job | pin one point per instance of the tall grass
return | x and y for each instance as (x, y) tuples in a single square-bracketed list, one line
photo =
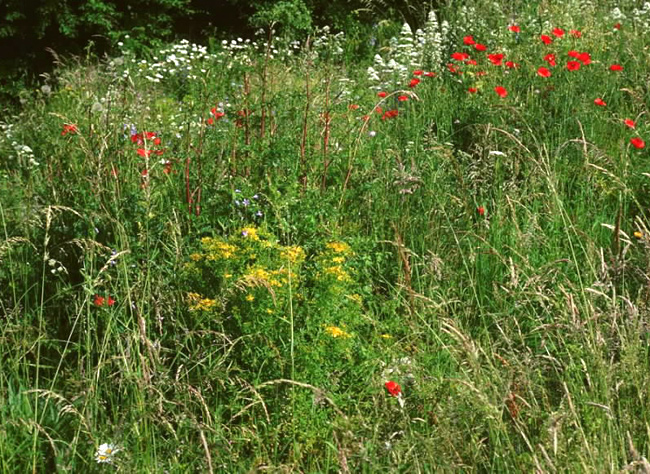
[(219, 269)]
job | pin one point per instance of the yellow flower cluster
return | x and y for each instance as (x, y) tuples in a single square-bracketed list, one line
[(339, 247), (198, 303), (338, 272), (334, 258), (217, 249), (250, 233), (356, 298), (294, 254), (258, 274), (336, 331)]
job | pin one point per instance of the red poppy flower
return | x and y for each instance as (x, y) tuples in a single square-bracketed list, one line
[(546, 39), (393, 388), (468, 40), (573, 53), (501, 91), (575, 33), (69, 128), (615, 67), (600, 102), (471, 62), (542, 71), (353, 106), (149, 135), (550, 59), (430, 74), (418, 72), (559, 32), (480, 47), (210, 121), (143, 153), (637, 143), (99, 300), (480, 73), (617, 26), (511, 65), (382, 94), (157, 141), (145, 173), (217, 114), (573, 65), (390, 114), (414, 82), (402, 98), (460, 56), (472, 90), (378, 110), (584, 58), (495, 59), (514, 28), (630, 123), (453, 69), (110, 301), (481, 211)]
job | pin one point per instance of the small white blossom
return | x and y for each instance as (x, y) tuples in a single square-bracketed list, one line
[(105, 453)]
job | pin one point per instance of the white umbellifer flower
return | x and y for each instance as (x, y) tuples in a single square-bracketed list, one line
[(105, 453)]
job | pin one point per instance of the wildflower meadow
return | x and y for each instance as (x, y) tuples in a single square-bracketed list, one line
[(426, 250)]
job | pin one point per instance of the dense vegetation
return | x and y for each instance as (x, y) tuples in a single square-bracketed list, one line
[(272, 254), (33, 35)]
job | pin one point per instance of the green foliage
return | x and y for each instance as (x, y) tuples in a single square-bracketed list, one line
[(271, 257), (292, 16)]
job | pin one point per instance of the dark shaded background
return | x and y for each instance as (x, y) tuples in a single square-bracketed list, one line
[(29, 29)]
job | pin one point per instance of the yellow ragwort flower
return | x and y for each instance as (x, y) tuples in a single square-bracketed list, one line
[(336, 331), (250, 233), (217, 249), (198, 303), (295, 254), (339, 247), (338, 272)]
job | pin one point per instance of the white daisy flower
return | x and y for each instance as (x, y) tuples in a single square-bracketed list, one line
[(105, 453)]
